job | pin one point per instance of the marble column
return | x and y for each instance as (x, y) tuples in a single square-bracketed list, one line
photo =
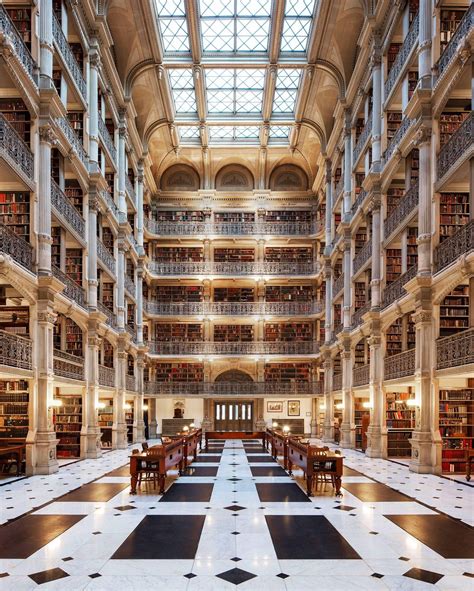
[(46, 44), (140, 178), (122, 165), (92, 248), (139, 299), (46, 139), (328, 434), (376, 106), (90, 432), (376, 432), (152, 418), (139, 423), (348, 423), (119, 428), (93, 112)]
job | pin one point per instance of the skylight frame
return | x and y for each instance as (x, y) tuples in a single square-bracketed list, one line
[(171, 21), (286, 91), (297, 27), (235, 134), (234, 89)]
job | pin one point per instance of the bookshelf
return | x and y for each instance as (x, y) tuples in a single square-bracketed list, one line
[(361, 354), (337, 315), (76, 119), (234, 294), (400, 420), (393, 264), (15, 212), (454, 311), (74, 264), (232, 217), (73, 191), (110, 179), (129, 418), (179, 372), (56, 246), (108, 239), (414, 166), (108, 295), (57, 334), (68, 424), (394, 194), (105, 422), (288, 216), (360, 239), (412, 83), (21, 17), (56, 164), (74, 345), (78, 53), (179, 216), (15, 319), (131, 315), (393, 338), (392, 53), (286, 332), (288, 293), (449, 123), (57, 79), (360, 295), (179, 254), (287, 372), (108, 353), (14, 419), (361, 420), (410, 332), (234, 255), (456, 426), (412, 247), (394, 119), (178, 332), (453, 213), (177, 293), (289, 255), (57, 8), (449, 22), (233, 333), (337, 420), (359, 128), (15, 112)]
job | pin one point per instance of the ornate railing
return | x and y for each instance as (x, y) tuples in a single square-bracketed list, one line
[(15, 351), (233, 348), (358, 202), (394, 291), (457, 146), (361, 375), (15, 150), (106, 376), (234, 388), (111, 317), (105, 256), (455, 350), (397, 138), (451, 49), (132, 331), (107, 197), (400, 365), (72, 137), (362, 257), (337, 329), (67, 365), (338, 285), (15, 246), (455, 246), (133, 242), (131, 383), (402, 56), (339, 188), (129, 286), (72, 290), (362, 141), (9, 31), (66, 210), (357, 316), (232, 268), (405, 209), (234, 308), (107, 139), (337, 381), (69, 58), (129, 188)]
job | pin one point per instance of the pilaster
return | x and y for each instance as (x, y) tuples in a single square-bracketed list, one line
[(90, 432), (348, 424), (119, 428), (376, 432)]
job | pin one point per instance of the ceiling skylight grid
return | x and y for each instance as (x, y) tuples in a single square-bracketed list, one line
[(286, 90), (297, 26), (173, 26), (189, 132), (182, 85), (244, 133), (234, 91), (279, 133)]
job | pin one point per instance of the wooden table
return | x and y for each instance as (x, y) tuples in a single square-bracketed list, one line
[(16, 450), (304, 455), (469, 462), (280, 447), (234, 435), (191, 442), (165, 456)]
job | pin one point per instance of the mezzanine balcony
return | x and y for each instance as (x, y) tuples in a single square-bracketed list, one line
[(233, 308), (16, 247), (358, 202), (111, 318), (69, 59), (362, 141), (337, 381), (131, 383), (400, 365), (67, 365), (451, 50), (73, 140), (105, 257), (16, 153), (233, 388), (396, 139), (72, 290), (361, 375), (402, 58), (454, 247), (357, 316), (107, 140), (403, 212), (12, 41), (455, 350), (394, 291), (362, 257), (65, 211), (15, 351), (107, 376), (200, 348), (111, 205), (233, 269), (457, 151)]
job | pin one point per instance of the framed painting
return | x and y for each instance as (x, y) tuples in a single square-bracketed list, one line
[(274, 406), (293, 408)]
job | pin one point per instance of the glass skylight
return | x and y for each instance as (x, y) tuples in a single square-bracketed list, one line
[(173, 26), (279, 132), (229, 132), (233, 26), (297, 25), (286, 89), (234, 90), (188, 132), (182, 85)]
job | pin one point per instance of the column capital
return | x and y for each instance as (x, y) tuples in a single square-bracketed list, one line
[(94, 60), (423, 135), (47, 134)]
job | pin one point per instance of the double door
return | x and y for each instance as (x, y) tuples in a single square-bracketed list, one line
[(233, 415)]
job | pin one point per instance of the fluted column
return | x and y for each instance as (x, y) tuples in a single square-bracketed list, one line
[(119, 427), (122, 248), (348, 424), (46, 139), (328, 211), (376, 432), (140, 206), (46, 43), (423, 142), (122, 164), (90, 433), (139, 423), (328, 434), (376, 106), (376, 237), (328, 277), (347, 168), (152, 422), (424, 43), (94, 63), (139, 298), (347, 280), (92, 248)]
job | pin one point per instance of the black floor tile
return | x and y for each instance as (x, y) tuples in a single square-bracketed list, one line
[(188, 493), (123, 471), (351, 472), (260, 459), (202, 471), (268, 471), (25, 536), (94, 493), (281, 493), (426, 576), (444, 535), (374, 492), (236, 576), (208, 459), (160, 537), (307, 537), (46, 576)]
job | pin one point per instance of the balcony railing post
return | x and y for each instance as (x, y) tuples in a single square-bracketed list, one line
[(69, 58)]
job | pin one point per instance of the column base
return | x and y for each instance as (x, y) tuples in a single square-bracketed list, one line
[(328, 434), (260, 425), (45, 461), (314, 428), (425, 453), (152, 429), (376, 443), (119, 437), (206, 425), (347, 436), (139, 433), (90, 443)]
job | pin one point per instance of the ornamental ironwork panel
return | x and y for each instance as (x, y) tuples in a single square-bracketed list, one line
[(66, 210), (107, 139), (337, 381), (233, 348), (233, 268), (362, 257), (404, 210), (362, 141), (450, 51), (358, 202), (357, 316), (15, 150), (69, 58), (105, 256), (396, 139), (129, 285), (107, 197), (74, 140), (402, 56), (455, 350), (106, 376), (455, 148), (455, 246), (17, 247), (394, 291), (15, 351), (234, 388), (10, 34), (400, 365), (130, 190), (131, 383), (72, 290), (361, 375), (111, 318), (67, 365), (338, 285)]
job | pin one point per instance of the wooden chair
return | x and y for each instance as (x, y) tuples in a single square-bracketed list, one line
[(149, 471), (323, 469), (144, 446)]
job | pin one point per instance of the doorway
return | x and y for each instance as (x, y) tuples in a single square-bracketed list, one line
[(233, 415)]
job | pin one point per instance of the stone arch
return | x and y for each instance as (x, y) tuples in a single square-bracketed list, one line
[(234, 177), (180, 177), (288, 177), (234, 376)]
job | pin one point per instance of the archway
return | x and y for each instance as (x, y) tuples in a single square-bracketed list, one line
[(234, 376)]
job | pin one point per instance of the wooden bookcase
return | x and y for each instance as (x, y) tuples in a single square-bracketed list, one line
[(129, 418), (105, 422), (412, 247), (453, 213), (234, 294), (394, 194), (289, 255), (108, 239), (56, 164), (412, 83), (21, 17), (15, 112), (76, 119), (78, 53), (449, 22), (456, 426), (131, 314), (360, 295), (454, 311), (288, 293), (56, 246), (177, 293), (414, 166), (179, 254), (400, 420), (288, 332), (73, 191), (14, 417), (108, 295), (393, 264), (288, 216), (287, 372), (233, 217), (74, 257), (179, 372), (449, 123), (74, 344), (361, 420), (15, 212), (234, 255), (179, 216), (15, 319), (360, 239), (394, 119), (171, 332), (233, 333), (68, 424), (392, 53), (393, 338)]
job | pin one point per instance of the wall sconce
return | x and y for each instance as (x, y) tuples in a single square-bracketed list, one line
[(145, 407), (100, 405), (127, 406), (286, 429), (185, 429), (192, 425)]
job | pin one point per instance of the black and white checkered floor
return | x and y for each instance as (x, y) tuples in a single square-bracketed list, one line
[(236, 519)]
